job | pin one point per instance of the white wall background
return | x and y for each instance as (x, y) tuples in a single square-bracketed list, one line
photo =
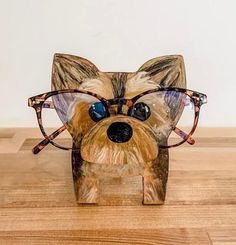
[(117, 36)]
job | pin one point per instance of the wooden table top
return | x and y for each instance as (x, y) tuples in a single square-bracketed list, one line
[(37, 203)]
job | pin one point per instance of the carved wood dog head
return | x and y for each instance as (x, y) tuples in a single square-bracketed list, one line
[(122, 139)]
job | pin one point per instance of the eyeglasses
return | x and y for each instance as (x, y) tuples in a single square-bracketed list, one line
[(165, 110)]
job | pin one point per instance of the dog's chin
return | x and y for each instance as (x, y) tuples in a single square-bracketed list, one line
[(142, 147)]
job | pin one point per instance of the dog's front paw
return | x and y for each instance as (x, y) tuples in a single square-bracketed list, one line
[(152, 191), (87, 190)]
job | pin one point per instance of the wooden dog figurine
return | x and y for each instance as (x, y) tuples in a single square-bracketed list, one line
[(118, 145)]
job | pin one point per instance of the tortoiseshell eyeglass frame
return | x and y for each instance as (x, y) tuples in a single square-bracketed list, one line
[(38, 103)]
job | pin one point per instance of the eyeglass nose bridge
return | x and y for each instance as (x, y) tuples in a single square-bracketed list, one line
[(120, 102)]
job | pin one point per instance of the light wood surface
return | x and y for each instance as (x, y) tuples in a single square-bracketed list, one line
[(37, 202)]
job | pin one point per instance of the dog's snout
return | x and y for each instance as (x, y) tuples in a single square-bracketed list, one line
[(119, 132)]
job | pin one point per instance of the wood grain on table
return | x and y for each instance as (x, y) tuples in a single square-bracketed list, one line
[(37, 203)]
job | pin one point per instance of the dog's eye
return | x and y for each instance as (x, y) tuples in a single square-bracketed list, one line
[(97, 111), (140, 111)]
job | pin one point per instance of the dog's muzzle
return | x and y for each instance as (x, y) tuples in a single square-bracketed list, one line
[(119, 132)]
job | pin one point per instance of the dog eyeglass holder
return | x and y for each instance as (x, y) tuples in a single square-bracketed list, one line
[(121, 123)]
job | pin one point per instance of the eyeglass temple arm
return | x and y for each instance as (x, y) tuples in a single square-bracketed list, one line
[(52, 136), (46, 141), (183, 135)]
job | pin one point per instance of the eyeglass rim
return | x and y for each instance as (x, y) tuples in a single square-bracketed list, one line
[(39, 99)]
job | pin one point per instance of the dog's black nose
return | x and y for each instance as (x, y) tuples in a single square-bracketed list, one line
[(119, 132)]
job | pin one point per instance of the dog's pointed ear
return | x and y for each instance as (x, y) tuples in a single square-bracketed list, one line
[(166, 71), (69, 71)]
